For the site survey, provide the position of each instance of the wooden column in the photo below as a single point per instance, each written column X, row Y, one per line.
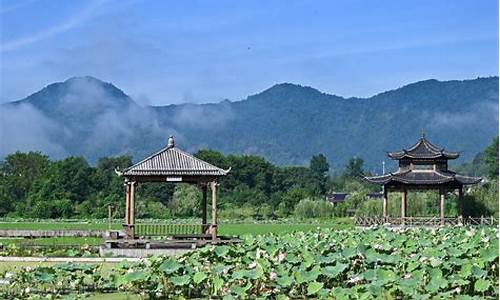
column 384, row 205
column 110, row 216
column 441, row 205
column 404, row 194
column 127, row 209
column 204, row 220
column 132, row 208
column 461, row 202
column 213, row 186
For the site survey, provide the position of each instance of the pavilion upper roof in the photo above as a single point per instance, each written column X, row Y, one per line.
column 172, row 161
column 423, row 149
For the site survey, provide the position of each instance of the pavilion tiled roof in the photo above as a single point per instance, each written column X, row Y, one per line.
column 423, row 177
column 172, row 161
column 423, row 149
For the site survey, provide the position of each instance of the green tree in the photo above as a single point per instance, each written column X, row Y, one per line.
column 354, row 168
column 213, row 157
column 18, row 173
column 186, row 201
column 491, row 158
column 319, row 165
column 108, row 187
column 66, row 180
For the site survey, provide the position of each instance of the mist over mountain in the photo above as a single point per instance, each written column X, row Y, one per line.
column 286, row 123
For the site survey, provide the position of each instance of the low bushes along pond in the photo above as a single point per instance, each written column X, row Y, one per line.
column 449, row 262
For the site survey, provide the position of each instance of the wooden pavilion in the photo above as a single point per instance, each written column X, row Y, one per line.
column 423, row 166
column 172, row 165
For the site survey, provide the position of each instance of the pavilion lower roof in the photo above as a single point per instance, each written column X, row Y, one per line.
column 418, row 177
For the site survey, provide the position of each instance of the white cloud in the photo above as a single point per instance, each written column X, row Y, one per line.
column 74, row 21
column 24, row 128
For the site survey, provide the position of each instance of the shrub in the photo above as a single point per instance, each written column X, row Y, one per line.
column 313, row 208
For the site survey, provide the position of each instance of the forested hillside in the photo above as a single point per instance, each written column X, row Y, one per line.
column 286, row 123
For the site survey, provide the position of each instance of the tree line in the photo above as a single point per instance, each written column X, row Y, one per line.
column 32, row 185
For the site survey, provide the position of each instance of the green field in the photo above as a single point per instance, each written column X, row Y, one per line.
column 58, row 225
column 224, row 229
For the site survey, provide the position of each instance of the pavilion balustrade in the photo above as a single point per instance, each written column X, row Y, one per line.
column 165, row 230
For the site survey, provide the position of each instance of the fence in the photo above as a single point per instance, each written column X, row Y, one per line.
column 424, row 221
column 168, row 229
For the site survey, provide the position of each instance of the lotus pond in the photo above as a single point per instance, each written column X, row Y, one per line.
column 449, row 262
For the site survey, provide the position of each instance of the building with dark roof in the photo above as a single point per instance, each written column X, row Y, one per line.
column 423, row 166
column 336, row 198
column 375, row 195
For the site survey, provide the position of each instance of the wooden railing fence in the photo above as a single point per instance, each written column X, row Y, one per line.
column 168, row 229
column 424, row 221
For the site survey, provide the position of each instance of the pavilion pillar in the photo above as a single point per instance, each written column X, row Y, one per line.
column 129, row 209
column 461, row 202
column 204, row 220
column 441, row 205
column 133, row 185
column 213, row 186
column 384, row 205
column 404, row 194
column 126, row 225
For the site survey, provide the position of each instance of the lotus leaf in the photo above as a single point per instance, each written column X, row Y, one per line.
column 314, row 287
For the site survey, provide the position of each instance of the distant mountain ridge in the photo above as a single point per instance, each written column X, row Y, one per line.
column 286, row 123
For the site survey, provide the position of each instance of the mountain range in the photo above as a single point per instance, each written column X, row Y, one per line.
column 287, row 123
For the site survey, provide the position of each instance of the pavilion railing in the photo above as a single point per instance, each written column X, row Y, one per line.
column 169, row 229
column 424, row 221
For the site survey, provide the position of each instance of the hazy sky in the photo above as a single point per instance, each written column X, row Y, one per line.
column 162, row 52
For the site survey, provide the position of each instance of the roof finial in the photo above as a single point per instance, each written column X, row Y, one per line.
column 171, row 142
column 423, row 133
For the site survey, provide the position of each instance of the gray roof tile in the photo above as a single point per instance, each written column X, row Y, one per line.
column 172, row 161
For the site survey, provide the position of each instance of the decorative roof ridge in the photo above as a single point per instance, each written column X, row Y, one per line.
column 466, row 176
column 400, row 172
column 378, row 176
column 450, row 175
column 388, row 174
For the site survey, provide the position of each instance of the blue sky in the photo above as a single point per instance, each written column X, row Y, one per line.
column 162, row 52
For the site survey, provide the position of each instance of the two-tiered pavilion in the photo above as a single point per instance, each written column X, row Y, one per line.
column 172, row 165
column 423, row 166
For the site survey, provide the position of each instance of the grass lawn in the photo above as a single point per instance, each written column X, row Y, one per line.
column 57, row 226
column 248, row 228
column 224, row 229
